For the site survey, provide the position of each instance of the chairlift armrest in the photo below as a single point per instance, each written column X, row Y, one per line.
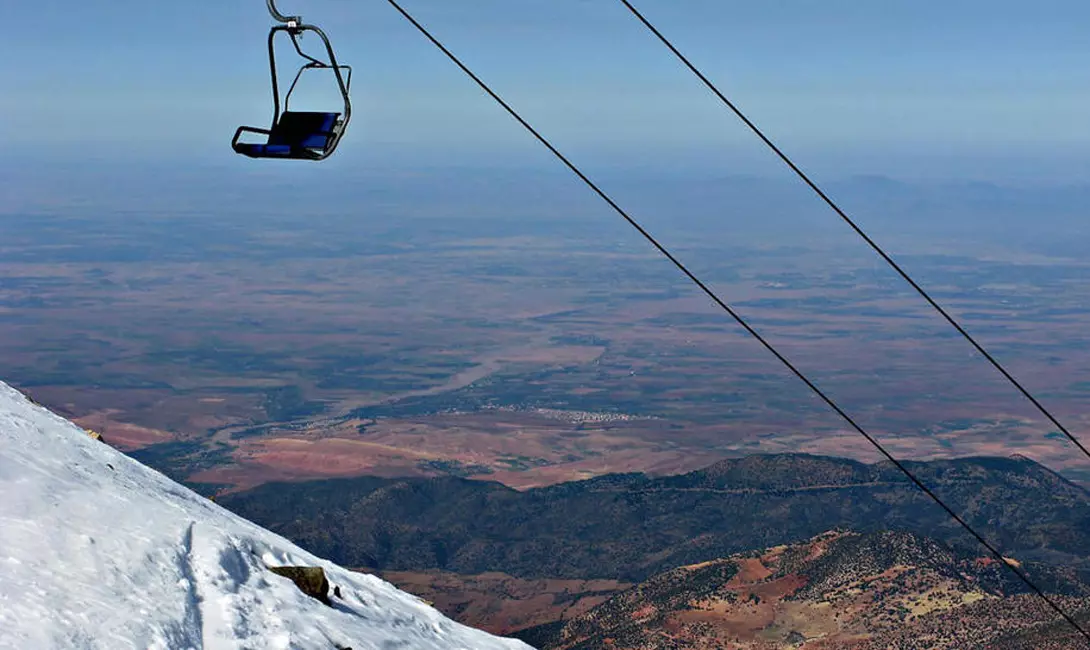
column 248, row 129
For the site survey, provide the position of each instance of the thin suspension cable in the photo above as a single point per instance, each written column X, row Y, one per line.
column 836, row 208
column 727, row 308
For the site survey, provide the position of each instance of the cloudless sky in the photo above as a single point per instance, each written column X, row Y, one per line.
column 965, row 88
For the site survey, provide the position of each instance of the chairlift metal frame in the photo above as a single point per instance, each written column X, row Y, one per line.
column 295, row 27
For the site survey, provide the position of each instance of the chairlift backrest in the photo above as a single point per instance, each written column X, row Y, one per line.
column 304, row 129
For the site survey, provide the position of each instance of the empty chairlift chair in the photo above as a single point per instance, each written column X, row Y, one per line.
column 301, row 135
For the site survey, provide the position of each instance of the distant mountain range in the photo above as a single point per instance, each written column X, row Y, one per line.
column 630, row 527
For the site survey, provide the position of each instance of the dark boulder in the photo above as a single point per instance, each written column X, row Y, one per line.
column 311, row 580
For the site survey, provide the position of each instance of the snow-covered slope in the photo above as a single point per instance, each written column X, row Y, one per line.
column 99, row 551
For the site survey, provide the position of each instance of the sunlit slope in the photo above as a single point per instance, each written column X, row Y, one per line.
column 99, row 551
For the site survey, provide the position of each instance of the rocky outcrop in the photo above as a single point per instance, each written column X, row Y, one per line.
column 311, row 580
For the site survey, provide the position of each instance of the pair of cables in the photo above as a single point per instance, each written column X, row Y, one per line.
column 745, row 325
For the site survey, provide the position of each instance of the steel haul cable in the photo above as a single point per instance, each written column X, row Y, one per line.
column 859, row 231
column 727, row 308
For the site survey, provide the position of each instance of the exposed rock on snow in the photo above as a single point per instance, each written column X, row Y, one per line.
column 311, row 580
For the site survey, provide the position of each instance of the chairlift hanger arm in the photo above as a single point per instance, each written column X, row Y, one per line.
column 295, row 27
column 342, row 81
column 277, row 16
column 295, row 43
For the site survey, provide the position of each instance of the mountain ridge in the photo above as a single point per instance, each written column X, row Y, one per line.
column 630, row 526
column 835, row 591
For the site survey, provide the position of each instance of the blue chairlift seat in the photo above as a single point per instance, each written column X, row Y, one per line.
column 297, row 134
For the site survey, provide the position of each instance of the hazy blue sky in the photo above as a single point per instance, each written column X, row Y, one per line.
column 965, row 88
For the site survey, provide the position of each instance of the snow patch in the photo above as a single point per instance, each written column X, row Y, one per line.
column 94, row 557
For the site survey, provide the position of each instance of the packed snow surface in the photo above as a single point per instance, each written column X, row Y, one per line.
column 99, row 551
